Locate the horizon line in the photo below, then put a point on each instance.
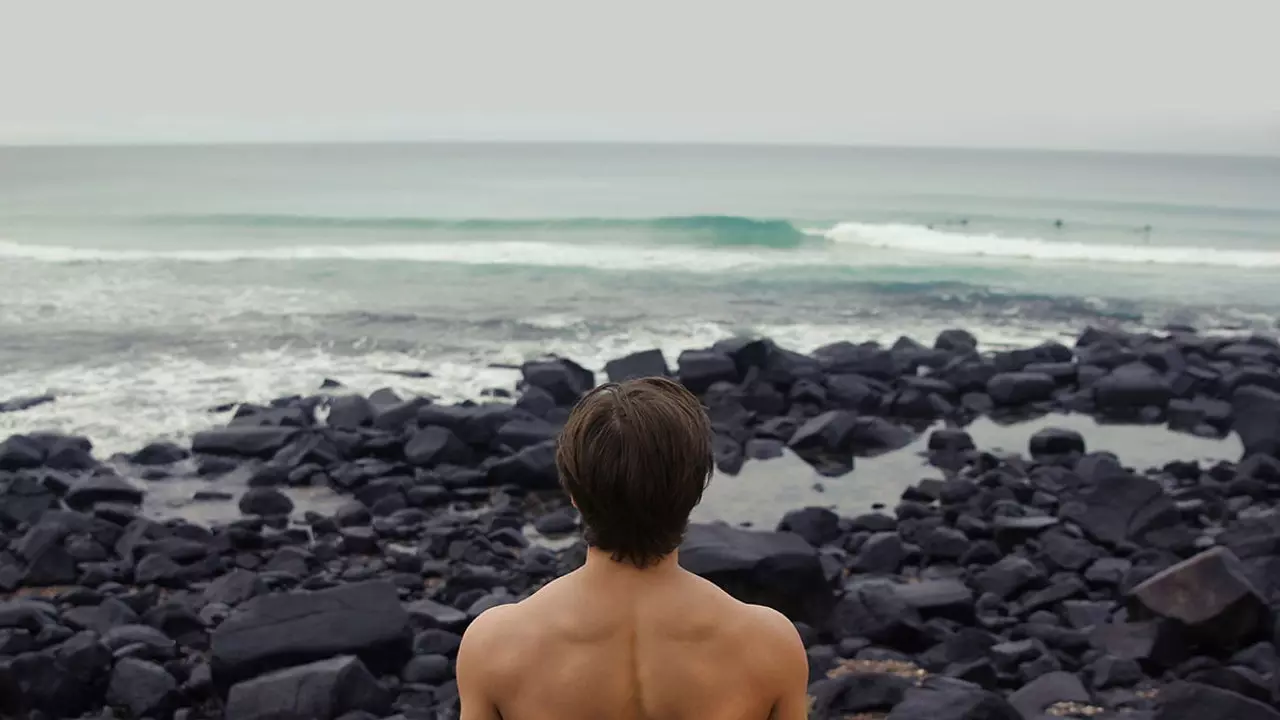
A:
(789, 144)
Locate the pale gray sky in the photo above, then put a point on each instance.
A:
(1117, 74)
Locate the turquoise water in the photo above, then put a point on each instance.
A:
(144, 285)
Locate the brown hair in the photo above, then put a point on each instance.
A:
(636, 457)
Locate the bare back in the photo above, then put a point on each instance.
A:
(627, 644)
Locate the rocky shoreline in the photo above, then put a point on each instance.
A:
(1055, 583)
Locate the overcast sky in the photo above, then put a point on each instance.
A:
(1121, 74)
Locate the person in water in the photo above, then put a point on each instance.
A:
(631, 635)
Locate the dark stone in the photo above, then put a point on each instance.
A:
(565, 380)
(1123, 507)
(1257, 420)
(429, 614)
(142, 687)
(1066, 552)
(944, 543)
(1020, 388)
(90, 490)
(522, 433)
(265, 502)
(321, 690)
(763, 449)
(950, 440)
(874, 611)
(817, 525)
(273, 631)
(533, 468)
(349, 412)
(25, 403)
(1132, 386)
(556, 522)
(940, 698)
(780, 570)
(1049, 689)
(1056, 441)
(1009, 576)
(243, 440)
(427, 669)
(23, 500)
(235, 587)
(19, 452)
(1194, 701)
(1210, 596)
(160, 453)
(947, 598)
(646, 363)
(1109, 672)
(435, 445)
(882, 553)
(853, 693)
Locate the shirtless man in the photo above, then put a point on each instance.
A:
(631, 635)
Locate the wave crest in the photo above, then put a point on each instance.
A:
(925, 240)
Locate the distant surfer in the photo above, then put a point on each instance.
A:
(1058, 223)
(1146, 234)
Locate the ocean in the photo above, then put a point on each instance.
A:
(144, 286)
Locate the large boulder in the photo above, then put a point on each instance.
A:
(700, 369)
(778, 569)
(243, 440)
(564, 379)
(19, 452)
(434, 445)
(533, 468)
(90, 490)
(321, 690)
(1131, 387)
(843, 431)
(1257, 420)
(1123, 507)
(1020, 388)
(274, 631)
(646, 363)
(1209, 597)
(1194, 701)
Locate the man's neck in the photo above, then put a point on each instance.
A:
(601, 564)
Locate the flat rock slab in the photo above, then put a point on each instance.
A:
(273, 631)
(320, 690)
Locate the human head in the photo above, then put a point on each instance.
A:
(635, 458)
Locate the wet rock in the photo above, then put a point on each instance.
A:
(272, 631)
(646, 363)
(780, 570)
(533, 468)
(19, 452)
(243, 440)
(1047, 690)
(1194, 701)
(93, 489)
(882, 553)
(564, 379)
(435, 445)
(1056, 441)
(1020, 388)
(817, 525)
(1124, 507)
(321, 690)
(1210, 596)
(1130, 387)
(265, 502)
(160, 453)
(143, 688)
(1257, 421)
(939, 698)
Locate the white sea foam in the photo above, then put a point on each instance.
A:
(928, 241)
(123, 406)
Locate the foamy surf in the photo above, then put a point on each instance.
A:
(928, 241)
